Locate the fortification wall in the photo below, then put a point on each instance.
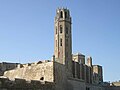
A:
(76, 84)
(113, 88)
(94, 87)
(60, 77)
(37, 71)
(22, 84)
(4, 66)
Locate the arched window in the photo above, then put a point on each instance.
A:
(61, 14)
(65, 14)
(60, 28)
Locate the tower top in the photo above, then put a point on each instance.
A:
(63, 14)
(89, 61)
(63, 9)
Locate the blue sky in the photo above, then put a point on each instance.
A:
(27, 29)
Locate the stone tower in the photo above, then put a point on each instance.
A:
(62, 39)
(89, 61)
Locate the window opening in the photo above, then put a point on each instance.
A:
(61, 14)
(60, 28)
(60, 42)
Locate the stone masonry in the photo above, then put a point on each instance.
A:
(66, 71)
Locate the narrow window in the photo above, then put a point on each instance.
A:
(60, 28)
(56, 43)
(66, 30)
(65, 14)
(60, 42)
(61, 14)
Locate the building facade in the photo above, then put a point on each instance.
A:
(66, 71)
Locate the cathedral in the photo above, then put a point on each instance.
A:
(65, 71)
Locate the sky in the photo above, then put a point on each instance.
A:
(27, 31)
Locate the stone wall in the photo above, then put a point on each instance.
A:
(37, 71)
(22, 84)
(115, 83)
(94, 87)
(76, 84)
(45, 75)
(5, 66)
(60, 76)
(113, 88)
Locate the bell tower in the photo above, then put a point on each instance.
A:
(63, 39)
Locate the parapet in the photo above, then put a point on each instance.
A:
(80, 58)
(19, 66)
(89, 61)
(32, 64)
(42, 70)
(22, 84)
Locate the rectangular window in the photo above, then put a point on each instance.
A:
(61, 14)
(60, 42)
(65, 14)
(60, 28)
(56, 30)
(56, 43)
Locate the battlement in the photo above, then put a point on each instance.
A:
(41, 70)
(23, 84)
(5, 66)
(83, 69)
(33, 64)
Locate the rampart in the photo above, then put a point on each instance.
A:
(5, 66)
(22, 84)
(42, 70)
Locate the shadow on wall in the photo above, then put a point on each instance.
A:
(60, 77)
(22, 84)
(57, 70)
